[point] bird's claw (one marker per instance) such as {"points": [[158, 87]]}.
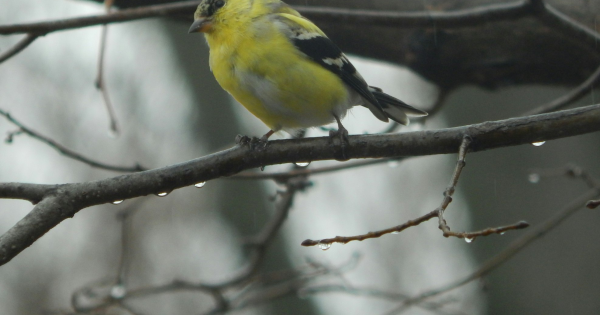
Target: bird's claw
{"points": [[253, 143], [339, 140], [242, 140]]}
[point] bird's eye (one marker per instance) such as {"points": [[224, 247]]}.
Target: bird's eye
{"points": [[219, 4]]}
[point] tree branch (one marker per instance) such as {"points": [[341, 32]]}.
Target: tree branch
{"points": [[525, 240], [30, 192], [506, 254], [567, 99], [326, 242], [67, 199], [22, 44], [64, 150]]}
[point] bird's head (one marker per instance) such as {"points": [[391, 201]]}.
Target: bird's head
{"points": [[213, 13]]}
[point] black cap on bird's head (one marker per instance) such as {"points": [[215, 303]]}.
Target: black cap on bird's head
{"points": [[204, 15]]}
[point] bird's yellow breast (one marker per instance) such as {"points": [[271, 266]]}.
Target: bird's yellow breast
{"points": [[263, 71]]}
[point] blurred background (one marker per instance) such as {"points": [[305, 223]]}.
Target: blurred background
{"points": [[170, 109]]}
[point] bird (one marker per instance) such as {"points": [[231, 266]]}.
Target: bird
{"points": [[284, 70]]}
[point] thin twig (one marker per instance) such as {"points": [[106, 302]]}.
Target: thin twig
{"points": [[556, 19], [261, 240], [569, 98], [267, 290], [66, 151], [515, 247], [177, 285], [125, 217], [18, 47], [460, 164], [468, 236], [101, 82], [297, 285], [374, 293], [571, 170], [257, 244], [282, 176], [326, 243], [438, 104]]}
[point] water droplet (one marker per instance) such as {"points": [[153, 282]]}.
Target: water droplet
{"points": [[538, 144], [163, 194], [469, 240], [393, 163], [200, 185], [324, 246], [117, 202], [302, 164], [118, 291], [395, 232], [534, 178]]}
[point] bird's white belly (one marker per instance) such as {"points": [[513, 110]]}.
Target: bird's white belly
{"points": [[299, 111]]}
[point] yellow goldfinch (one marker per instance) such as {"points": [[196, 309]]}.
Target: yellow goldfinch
{"points": [[284, 69]]}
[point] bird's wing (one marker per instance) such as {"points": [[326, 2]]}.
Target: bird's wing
{"points": [[312, 42]]}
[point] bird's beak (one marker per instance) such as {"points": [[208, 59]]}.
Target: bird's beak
{"points": [[202, 24]]}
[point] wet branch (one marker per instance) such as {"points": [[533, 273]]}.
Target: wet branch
{"points": [[468, 236], [439, 212], [60, 202], [326, 242], [525, 240], [515, 247]]}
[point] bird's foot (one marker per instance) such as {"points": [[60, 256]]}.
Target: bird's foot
{"points": [[339, 141], [254, 143], [342, 143], [242, 140]]}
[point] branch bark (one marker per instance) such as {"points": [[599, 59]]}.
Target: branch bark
{"points": [[60, 202]]}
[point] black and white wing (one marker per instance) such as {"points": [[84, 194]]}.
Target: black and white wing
{"points": [[311, 41]]}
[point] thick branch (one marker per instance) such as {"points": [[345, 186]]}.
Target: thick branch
{"points": [[69, 198], [458, 18]]}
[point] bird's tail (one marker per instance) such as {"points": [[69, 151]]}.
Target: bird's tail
{"points": [[394, 108]]}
